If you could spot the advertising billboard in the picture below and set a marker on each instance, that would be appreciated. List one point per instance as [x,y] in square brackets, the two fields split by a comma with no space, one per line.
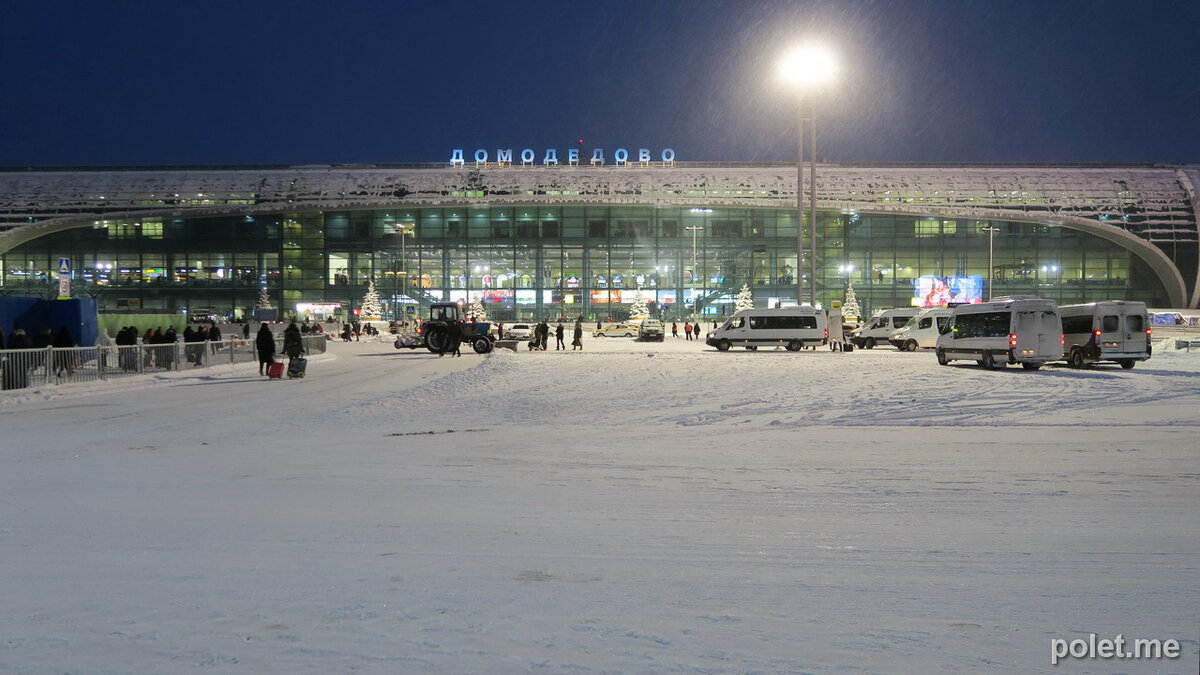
[936,291]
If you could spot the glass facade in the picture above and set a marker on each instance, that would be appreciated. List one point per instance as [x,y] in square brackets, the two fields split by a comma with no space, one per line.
[529,262]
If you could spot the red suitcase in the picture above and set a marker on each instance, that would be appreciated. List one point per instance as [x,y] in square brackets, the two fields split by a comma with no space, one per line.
[275,370]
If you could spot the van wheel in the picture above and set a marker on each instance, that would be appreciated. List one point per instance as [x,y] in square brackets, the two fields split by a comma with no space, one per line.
[869,344]
[795,346]
[1031,366]
[723,346]
[1127,364]
[1076,359]
[912,346]
[941,356]
[752,348]
[988,362]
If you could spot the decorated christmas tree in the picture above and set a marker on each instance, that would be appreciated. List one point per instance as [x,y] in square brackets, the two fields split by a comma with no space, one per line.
[850,308]
[745,300]
[477,311]
[371,309]
[264,300]
[639,310]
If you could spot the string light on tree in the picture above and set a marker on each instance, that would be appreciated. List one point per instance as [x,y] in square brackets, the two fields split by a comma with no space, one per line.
[371,309]
[745,299]
[639,309]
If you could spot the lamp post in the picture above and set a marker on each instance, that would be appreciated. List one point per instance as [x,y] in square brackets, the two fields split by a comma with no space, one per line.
[404,230]
[990,232]
[694,229]
[807,67]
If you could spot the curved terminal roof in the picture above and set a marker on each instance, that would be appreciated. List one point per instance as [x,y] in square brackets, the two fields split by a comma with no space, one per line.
[1150,210]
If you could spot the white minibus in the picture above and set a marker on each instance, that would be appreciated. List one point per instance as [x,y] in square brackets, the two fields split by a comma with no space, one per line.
[1116,331]
[791,327]
[881,326]
[921,331]
[1023,330]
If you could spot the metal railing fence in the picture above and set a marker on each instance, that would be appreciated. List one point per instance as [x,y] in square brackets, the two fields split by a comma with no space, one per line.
[22,368]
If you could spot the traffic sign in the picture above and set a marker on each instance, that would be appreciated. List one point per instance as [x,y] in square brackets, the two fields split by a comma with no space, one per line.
[64,266]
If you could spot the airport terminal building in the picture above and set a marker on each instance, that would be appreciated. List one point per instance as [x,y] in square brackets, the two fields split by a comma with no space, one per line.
[537,241]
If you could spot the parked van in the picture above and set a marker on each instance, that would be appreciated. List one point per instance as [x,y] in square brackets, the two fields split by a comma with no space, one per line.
[1023,330]
[881,326]
[791,327]
[1105,331]
[922,330]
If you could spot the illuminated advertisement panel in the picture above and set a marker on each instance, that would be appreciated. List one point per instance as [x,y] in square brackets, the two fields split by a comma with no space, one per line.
[526,297]
[599,297]
[935,291]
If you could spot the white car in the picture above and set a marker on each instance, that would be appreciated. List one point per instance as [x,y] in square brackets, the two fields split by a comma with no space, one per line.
[651,329]
[617,330]
[518,331]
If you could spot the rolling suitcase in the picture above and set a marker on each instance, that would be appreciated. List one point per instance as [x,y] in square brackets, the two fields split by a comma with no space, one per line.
[297,367]
[275,370]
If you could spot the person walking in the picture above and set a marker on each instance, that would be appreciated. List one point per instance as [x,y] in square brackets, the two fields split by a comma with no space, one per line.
[453,341]
[558,338]
[696,330]
[214,336]
[64,361]
[264,344]
[675,329]
[246,331]
[293,345]
[687,330]
[577,340]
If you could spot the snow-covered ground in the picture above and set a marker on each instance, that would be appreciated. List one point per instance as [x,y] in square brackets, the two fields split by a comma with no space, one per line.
[629,508]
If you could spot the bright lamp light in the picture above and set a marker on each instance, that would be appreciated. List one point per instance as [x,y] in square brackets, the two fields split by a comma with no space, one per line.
[808,65]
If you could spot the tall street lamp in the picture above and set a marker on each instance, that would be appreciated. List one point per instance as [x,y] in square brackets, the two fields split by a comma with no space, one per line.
[404,231]
[807,67]
[694,229]
[990,231]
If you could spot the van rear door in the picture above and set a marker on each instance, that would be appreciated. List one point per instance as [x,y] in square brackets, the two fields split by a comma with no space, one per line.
[1037,330]
[1132,336]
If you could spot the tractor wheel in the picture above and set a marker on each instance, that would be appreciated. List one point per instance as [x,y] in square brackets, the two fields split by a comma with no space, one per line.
[723,346]
[481,345]
[435,337]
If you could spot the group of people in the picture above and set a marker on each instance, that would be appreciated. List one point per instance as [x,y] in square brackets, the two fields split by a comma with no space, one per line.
[541,336]
[14,370]
[691,331]
[264,345]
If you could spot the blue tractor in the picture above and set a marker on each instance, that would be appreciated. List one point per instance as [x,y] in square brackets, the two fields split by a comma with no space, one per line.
[434,332]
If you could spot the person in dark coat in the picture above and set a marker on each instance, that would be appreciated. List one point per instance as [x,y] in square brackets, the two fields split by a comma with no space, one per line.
[264,343]
[293,345]
[64,361]
[558,338]
[246,331]
[15,373]
[214,336]
[453,342]
[166,353]
[577,340]
[18,340]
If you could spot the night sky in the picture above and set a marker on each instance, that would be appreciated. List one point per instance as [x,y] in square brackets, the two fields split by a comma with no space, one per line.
[957,81]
